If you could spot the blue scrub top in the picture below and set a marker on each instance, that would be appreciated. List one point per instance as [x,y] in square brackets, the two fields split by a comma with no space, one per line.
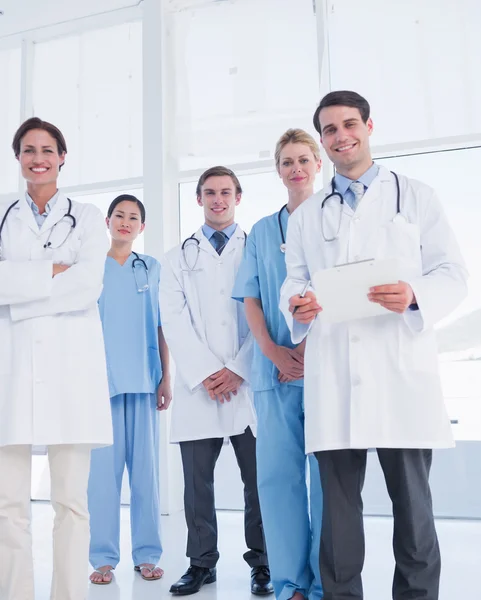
[130,321]
[261,275]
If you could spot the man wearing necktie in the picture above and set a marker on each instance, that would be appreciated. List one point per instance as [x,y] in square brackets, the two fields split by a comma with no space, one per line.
[373,382]
[212,348]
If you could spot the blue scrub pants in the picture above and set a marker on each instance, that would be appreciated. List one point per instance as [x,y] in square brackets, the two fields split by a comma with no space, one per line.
[292,531]
[136,444]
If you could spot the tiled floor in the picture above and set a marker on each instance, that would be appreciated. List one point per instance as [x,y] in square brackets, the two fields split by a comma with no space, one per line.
[460,542]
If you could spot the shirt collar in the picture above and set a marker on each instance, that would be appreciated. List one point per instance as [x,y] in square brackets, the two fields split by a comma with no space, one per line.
[48,207]
[342,183]
[228,231]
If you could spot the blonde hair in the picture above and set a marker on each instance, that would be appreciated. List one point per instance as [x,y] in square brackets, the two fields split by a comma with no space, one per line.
[296,136]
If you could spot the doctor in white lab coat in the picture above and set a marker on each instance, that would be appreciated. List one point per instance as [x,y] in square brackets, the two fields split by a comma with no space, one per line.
[374,382]
[53,380]
[208,336]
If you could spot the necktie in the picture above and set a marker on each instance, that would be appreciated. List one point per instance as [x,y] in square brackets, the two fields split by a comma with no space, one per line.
[220,241]
[357,188]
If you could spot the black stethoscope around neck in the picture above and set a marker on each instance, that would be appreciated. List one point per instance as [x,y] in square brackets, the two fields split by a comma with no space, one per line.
[334,195]
[48,243]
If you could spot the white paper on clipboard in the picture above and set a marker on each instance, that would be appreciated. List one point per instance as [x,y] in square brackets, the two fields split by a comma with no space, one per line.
[342,291]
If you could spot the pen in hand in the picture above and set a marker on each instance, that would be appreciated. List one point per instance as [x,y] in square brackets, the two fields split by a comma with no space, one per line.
[302,295]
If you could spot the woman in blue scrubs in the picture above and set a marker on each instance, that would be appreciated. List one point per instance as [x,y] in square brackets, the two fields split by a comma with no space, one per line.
[139,380]
[292,529]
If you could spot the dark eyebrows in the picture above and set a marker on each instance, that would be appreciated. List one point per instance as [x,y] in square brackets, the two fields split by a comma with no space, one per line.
[350,120]
[227,189]
[132,214]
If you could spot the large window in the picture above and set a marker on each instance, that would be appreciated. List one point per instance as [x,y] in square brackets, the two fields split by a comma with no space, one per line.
[90,85]
[10,70]
[418,63]
[244,73]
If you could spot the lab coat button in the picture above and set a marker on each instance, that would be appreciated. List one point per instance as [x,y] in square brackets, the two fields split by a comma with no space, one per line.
[357,257]
[224,323]
[355,339]
[38,381]
[356,381]
[222,292]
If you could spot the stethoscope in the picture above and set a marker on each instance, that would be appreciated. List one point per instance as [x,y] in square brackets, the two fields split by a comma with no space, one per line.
[140,261]
[283,236]
[192,240]
[335,194]
[48,243]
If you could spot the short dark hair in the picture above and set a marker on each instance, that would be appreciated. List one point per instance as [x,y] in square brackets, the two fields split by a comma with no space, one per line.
[36,123]
[128,198]
[342,98]
[218,172]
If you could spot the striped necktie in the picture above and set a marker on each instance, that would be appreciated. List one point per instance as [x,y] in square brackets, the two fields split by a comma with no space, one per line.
[220,241]
[357,188]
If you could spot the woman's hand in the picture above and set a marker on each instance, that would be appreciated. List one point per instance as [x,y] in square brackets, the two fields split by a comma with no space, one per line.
[164,393]
[289,362]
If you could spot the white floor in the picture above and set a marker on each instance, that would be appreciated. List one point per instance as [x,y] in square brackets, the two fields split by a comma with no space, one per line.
[460,543]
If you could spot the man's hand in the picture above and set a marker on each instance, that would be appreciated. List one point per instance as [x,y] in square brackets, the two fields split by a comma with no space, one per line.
[164,394]
[306,309]
[396,297]
[222,384]
[59,269]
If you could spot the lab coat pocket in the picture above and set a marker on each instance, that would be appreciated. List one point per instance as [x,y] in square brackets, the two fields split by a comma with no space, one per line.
[418,351]
[401,240]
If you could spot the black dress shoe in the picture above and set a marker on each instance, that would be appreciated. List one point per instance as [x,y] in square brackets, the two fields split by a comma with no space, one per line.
[261,581]
[193,580]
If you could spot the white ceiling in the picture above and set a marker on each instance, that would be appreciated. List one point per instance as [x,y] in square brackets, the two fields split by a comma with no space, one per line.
[26,15]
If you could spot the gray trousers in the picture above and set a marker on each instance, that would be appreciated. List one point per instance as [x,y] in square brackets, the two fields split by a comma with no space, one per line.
[199,458]
[415,543]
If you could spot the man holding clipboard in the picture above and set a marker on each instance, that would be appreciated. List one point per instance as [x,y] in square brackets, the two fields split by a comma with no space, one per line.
[371,373]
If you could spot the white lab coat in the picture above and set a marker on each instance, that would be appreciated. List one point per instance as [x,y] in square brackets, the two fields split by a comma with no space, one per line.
[206,331]
[53,378]
[374,383]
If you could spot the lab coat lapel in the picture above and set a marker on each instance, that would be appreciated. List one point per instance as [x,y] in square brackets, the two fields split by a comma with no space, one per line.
[59,210]
[205,245]
[380,189]
[24,213]
[235,241]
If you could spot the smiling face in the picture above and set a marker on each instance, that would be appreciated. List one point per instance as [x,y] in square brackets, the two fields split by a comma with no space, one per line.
[219,199]
[345,138]
[39,158]
[125,223]
[298,166]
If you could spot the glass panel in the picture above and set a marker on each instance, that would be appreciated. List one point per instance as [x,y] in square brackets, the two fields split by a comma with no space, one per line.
[10,76]
[454,175]
[263,194]
[418,64]
[96,101]
[244,73]
[103,201]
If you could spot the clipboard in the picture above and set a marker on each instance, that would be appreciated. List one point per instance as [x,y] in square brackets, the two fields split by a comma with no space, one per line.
[342,290]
